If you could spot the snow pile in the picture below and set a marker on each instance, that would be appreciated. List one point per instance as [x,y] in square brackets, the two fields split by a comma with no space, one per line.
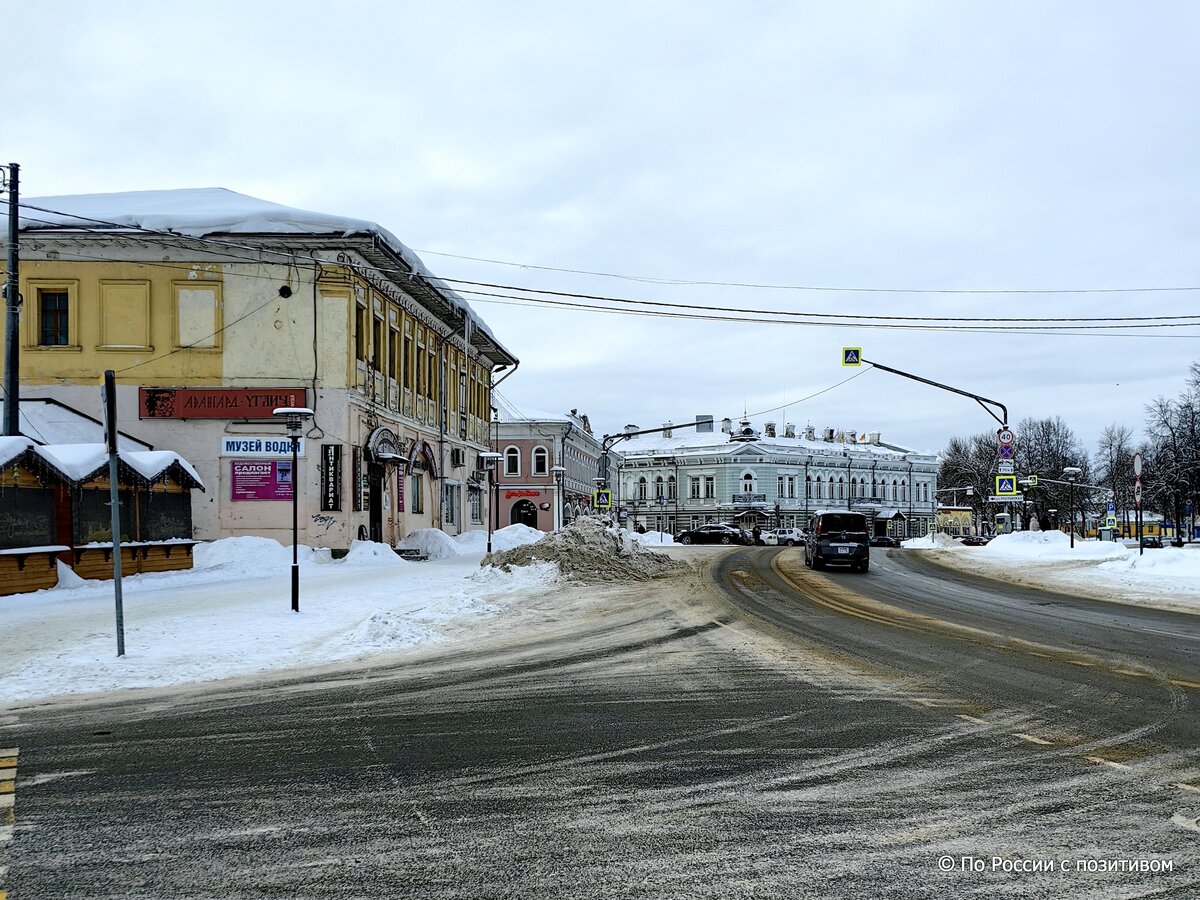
[650,538]
[936,541]
[505,539]
[434,543]
[587,550]
[245,556]
[370,553]
[1051,545]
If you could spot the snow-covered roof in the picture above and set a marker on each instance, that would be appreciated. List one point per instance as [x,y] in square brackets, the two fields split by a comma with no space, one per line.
[506,411]
[48,421]
[12,447]
[718,442]
[201,212]
[82,462]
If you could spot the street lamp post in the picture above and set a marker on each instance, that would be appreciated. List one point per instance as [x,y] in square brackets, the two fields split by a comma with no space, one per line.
[295,417]
[489,462]
[559,472]
[1071,474]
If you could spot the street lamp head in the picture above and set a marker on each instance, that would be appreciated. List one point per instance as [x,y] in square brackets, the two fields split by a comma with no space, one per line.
[293,417]
[1072,472]
[558,470]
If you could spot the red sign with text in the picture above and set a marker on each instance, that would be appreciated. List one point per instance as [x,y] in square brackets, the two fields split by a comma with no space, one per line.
[217,403]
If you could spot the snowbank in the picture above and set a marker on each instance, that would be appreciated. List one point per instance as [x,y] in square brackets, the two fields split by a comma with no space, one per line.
[936,541]
[504,539]
[231,616]
[653,538]
[587,550]
[1047,545]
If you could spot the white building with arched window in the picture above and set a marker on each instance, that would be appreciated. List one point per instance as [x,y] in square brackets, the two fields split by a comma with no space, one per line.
[746,476]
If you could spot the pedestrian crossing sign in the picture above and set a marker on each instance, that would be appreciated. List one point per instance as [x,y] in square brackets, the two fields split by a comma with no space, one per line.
[852,356]
[602,499]
[1006,485]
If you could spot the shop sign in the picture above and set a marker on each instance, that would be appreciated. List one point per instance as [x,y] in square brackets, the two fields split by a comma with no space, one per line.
[259,446]
[331,477]
[217,403]
[268,479]
[508,495]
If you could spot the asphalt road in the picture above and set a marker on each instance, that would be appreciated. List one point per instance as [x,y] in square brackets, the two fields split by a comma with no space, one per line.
[755,730]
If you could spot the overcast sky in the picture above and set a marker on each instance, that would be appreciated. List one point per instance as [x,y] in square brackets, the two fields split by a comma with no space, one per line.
[931,146]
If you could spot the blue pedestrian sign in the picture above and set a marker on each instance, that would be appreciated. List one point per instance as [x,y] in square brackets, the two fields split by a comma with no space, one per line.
[602,499]
[852,356]
[1006,485]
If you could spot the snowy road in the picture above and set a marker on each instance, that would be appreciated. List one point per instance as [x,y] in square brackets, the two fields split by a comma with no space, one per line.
[667,740]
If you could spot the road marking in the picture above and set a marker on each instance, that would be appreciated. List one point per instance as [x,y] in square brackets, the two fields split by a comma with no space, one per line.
[1106,762]
[1034,740]
[6,832]
[1187,684]
[8,788]
[972,719]
[1131,673]
[6,801]
[1187,787]
[8,774]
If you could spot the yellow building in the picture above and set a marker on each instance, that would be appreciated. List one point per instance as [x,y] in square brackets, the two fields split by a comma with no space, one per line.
[214,308]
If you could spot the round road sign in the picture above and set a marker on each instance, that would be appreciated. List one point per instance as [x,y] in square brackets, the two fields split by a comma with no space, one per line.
[1006,451]
[1005,435]
[1137,464]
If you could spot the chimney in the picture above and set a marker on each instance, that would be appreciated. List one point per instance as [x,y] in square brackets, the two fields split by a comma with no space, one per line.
[666,429]
[873,437]
[789,430]
[810,433]
[770,429]
[827,435]
[851,436]
[727,425]
[704,423]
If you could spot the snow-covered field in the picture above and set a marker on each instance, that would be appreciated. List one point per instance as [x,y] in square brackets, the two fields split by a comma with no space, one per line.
[231,614]
[1168,578]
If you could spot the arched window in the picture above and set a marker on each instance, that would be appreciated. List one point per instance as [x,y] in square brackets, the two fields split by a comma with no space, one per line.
[658,487]
[853,487]
[512,461]
[874,489]
[748,483]
[808,486]
[820,495]
[895,489]
[904,489]
[671,487]
[641,488]
[541,461]
[841,488]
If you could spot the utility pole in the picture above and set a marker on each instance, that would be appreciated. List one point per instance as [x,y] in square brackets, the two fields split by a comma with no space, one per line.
[12,302]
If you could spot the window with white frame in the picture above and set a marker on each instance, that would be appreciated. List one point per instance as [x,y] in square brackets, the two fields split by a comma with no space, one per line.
[641,488]
[512,461]
[710,487]
[659,487]
[671,487]
[541,461]
[694,488]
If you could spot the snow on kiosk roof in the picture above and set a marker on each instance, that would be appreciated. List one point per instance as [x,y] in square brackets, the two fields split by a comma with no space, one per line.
[76,463]
[202,212]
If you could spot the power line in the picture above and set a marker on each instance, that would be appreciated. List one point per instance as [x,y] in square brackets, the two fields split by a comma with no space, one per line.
[650,279]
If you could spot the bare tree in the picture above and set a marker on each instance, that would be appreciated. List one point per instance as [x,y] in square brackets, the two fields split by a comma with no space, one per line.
[1114,468]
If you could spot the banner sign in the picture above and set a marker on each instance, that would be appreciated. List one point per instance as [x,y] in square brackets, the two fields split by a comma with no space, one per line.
[260,479]
[259,446]
[217,403]
[331,477]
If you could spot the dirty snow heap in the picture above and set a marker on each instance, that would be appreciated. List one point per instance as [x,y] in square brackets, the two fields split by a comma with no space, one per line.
[587,550]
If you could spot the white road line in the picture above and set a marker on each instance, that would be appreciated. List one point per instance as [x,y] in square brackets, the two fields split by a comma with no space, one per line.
[1034,740]
[972,719]
[1107,762]
[6,832]
[8,774]
[6,800]
[11,751]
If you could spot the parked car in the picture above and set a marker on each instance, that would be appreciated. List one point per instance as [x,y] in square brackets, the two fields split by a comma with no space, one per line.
[838,538]
[789,537]
[767,539]
[1152,542]
[975,540]
[714,533]
[884,540]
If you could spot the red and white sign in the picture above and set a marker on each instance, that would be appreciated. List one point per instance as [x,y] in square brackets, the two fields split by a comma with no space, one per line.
[508,495]
[217,403]
[1005,436]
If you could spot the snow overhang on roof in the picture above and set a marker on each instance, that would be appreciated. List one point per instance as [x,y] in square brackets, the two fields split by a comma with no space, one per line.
[13,448]
[77,463]
[204,212]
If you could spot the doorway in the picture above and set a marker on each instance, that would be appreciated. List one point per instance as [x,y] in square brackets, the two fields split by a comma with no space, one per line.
[375,501]
[524,513]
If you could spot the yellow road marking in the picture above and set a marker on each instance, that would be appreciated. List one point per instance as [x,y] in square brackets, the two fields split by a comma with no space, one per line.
[1131,673]
[972,719]
[1188,787]
[8,762]
[1187,684]
[1034,740]
[7,787]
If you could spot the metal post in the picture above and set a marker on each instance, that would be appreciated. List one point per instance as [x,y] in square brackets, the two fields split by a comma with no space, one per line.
[114,497]
[12,302]
[295,523]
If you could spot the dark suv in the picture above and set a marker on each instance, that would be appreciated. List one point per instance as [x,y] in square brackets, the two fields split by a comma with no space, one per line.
[838,538]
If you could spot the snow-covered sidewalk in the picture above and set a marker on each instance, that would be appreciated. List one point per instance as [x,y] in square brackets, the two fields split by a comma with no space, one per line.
[231,614]
[1168,578]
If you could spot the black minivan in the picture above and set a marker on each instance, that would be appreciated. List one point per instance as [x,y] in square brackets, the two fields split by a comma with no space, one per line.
[838,538]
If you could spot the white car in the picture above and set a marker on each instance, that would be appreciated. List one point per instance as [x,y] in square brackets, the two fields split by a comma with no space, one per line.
[789,537]
[767,538]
